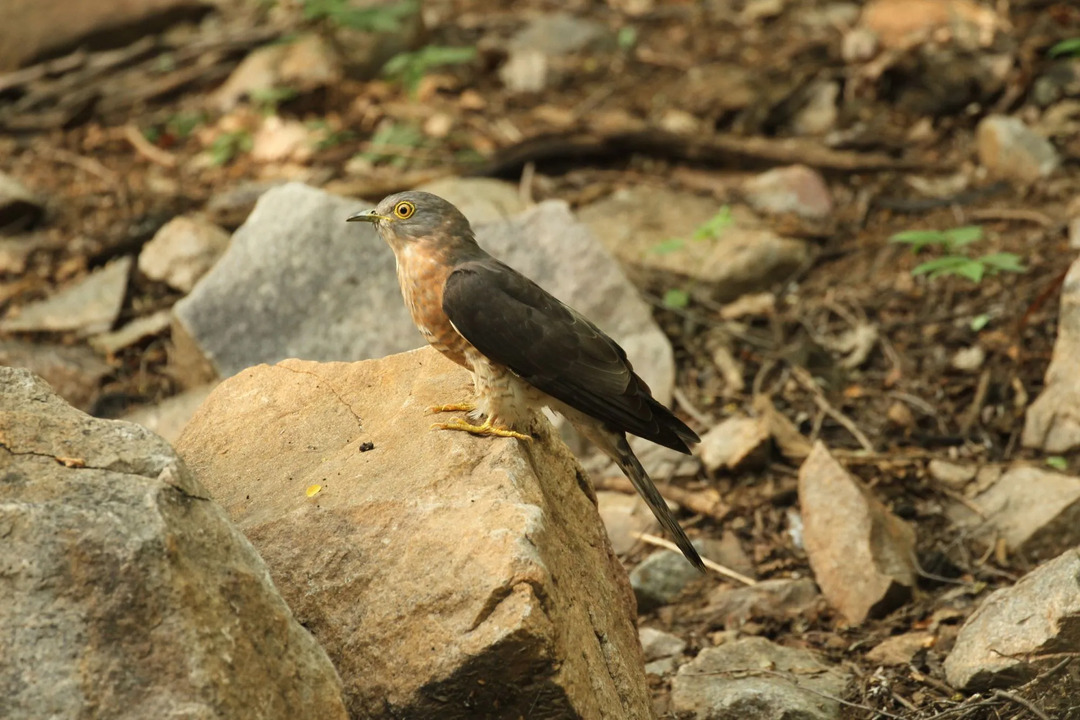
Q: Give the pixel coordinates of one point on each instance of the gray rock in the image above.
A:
(1009, 149)
(169, 417)
(19, 209)
(794, 189)
(135, 331)
(755, 679)
(481, 200)
(658, 644)
(182, 251)
(737, 442)
(779, 599)
(561, 34)
(661, 577)
(90, 306)
(1053, 420)
(1035, 511)
(652, 231)
(73, 371)
(1020, 630)
(297, 281)
(127, 592)
(861, 554)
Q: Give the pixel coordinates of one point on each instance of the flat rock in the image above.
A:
(34, 29)
(658, 644)
(662, 576)
(182, 251)
(337, 298)
(1034, 510)
(73, 371)
(734, 444)
(481, 200)
(794, 189)
(89, 306)
(1009, 149)
(169, 417)
(1052, 423)
(127, 592)
(779, 599)
(651, 230)
(1020, 630)
(373, 524)
(861, 554)
(133, 332)
(625, 518)
(900, 649)
(755, 679)
(19, 208)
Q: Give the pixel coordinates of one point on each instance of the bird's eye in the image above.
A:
(404, 209)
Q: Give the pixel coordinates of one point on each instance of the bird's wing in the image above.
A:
(516, 323)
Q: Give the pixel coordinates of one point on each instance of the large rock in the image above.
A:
(1020, 630)
(127, 593)
(447, 575)
(1053, 420)
(755, 679)
(861, 554)
(36, 28)
(297, 281)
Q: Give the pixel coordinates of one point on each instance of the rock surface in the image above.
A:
(182, 251)
(735, 443)
(497, 539)
(794, 189)
(1020, 630)
(778, 599)
(662, 576)
(861, 554)
(298, 281)
(1053, 420)
(1009, 149)
(755, 679)
(1035, 511)
(127, 592)
(658, 644)
(90, 306)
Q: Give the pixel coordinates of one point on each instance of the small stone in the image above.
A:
(135, 331)
(278, 140)
(757, 305)
(73, 371)
(20, 210)
(795, 189)
(302, 65)
(900, 415)
(661, 577)
(900, 649)
(858, 45)
(734, 444)
(90, 306)
(525, 71)
(308, 64)
(661, 667)
(562, 34)
(1009, 149)
(1020, 630)
(951, 474)
(258, 72)
(626, 517)
(818, 115)
(182, 251)
(969, 359)
(779, 599)
(755, 679)
(861, 554)
(658, 644)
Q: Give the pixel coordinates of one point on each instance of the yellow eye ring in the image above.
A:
(404, 209)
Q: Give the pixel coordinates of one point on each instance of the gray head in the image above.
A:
(414, 216)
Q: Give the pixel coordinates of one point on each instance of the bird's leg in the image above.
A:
(452, 407)
(488, 428)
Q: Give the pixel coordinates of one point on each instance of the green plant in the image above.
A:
(711, 229)
(1057, 462)
(956, 261)
(676, 299)
(182, 124)
(376, 19)
(228, 145)
(387, 143)
(409, 68)
(627, 38)
(1065, 48)
(267, 100)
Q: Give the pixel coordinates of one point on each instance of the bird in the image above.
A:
(524, 348)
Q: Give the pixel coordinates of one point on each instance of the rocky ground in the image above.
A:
(848, 231)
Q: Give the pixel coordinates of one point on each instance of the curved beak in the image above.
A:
(366, 216)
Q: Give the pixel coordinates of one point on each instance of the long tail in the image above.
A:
(628, 462)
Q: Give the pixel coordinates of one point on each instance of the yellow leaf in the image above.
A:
(314, 490)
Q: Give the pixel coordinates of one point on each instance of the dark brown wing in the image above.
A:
(516, 323)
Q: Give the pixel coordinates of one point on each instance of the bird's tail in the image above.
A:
(628, 462)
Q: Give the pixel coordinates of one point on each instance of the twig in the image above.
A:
(714, 566)
(148, 150)
(1020, 215)
(803, 378)
(1022, 702)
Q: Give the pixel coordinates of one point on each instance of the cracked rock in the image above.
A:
(446, 575)
(127, 593)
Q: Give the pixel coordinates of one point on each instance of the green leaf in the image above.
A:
(980, 321)
(1068, 47)
(627, 38)
(386, 143)
(676, 298)
(918, 239)
(973, 270)
(958, 237)
(1057, 462)
(667, 246)
(714, 226)
(948, 265)
(410, 67)
(1003, 262)
(377, 19)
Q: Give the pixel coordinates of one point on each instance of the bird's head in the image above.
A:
(411, 217)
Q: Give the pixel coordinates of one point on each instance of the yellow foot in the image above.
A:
(486, 429)
(454, 407)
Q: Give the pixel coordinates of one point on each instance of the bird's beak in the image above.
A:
(366, 216)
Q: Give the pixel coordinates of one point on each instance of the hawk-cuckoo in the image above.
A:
(525, 349)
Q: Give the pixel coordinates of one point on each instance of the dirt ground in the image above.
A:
(598, 128)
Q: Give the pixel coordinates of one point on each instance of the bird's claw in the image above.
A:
(486, 429)
(452, 407)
